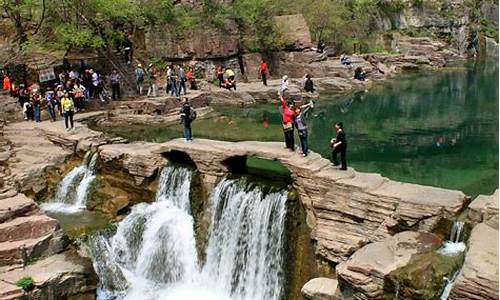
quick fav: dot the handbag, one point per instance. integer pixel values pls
(287, 126)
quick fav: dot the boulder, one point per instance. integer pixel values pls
(321, 289)
(478, 278)
(294, 30)
(366, 271)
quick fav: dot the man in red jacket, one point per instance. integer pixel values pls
(263, 72)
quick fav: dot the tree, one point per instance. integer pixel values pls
(26, 16)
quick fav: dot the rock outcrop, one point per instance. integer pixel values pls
(321, 289)
(478, 278)
(346, 210)
(367, 271)
(484, 209)
(31, 243)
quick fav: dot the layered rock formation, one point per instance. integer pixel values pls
(367, 270)
(478, 278)
(32, 244)
(367, 207)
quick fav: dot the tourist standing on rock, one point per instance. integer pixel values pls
(37, 106)
(87, 83)
(6, 83)
(283, 86)
(339, 145)
(288, 119)
(263, 72)
(51, 102)
(68, 110)
(95, 84)
(115, 79)
(300, 122)
(139, 78)
(182, 81)
(23, 95)
(187, 116)
(308, 84)
(220, 75)
(152, 89)
(79, 95)
(191, 79)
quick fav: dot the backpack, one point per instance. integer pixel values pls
(192, 114)
(140, 74)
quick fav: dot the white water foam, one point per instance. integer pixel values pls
(153, 254)
(72, 192)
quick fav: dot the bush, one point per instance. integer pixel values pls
(26, 283)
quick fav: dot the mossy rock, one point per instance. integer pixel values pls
(424, 276)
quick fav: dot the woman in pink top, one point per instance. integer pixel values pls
(288, 118)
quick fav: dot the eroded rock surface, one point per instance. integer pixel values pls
(367, 270)
(478, 279)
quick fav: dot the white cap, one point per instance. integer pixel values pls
(285, 77)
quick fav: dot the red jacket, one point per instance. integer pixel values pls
(288, 114)
(263, 68)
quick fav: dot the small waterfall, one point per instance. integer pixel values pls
(453, 247)
(72, 192)
(397, 290)
(455, 244)
(153, 255)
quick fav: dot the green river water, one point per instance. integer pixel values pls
(434, 128)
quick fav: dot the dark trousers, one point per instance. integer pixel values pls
(289, 140)
(68, 116)
(264, 78)
(221, 80)
(303, 141)
(188, 133)
(182, 86)
(342, 150)
(115, 88)
(52, 112)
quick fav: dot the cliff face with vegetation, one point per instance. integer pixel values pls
(165, 30)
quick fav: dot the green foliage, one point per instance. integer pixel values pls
(26, 283)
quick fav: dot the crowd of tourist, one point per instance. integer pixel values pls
(177, 80)
(71, 92)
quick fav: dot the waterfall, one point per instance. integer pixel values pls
(455, 244)
(452, 247)
(153, 253)
(244, 249)
(72, 192)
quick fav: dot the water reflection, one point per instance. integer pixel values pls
(438, 129)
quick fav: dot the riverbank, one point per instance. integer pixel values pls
(339, 205)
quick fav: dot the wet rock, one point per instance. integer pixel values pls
(479, 276)
(366, 271)
(321, 289)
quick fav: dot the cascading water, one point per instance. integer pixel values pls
(453, 247)
(72, 192)
(153, 255)
(456, 244)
